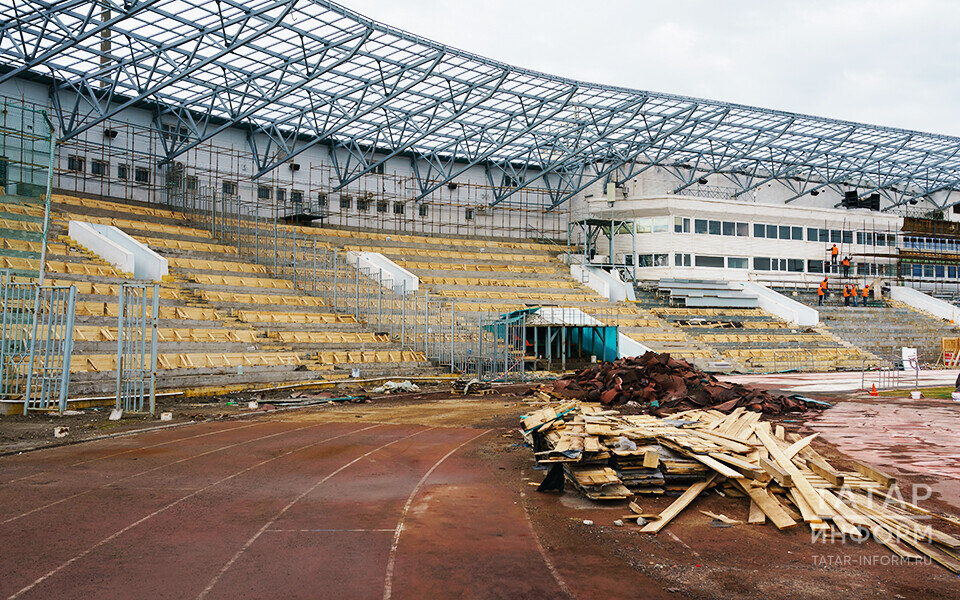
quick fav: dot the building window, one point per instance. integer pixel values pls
(761, 263)
(772, 232)
(847, 237)
(398, 208)
(743, 229)
(708, 261)
(700, 226)
(729, 228)
(99, 168)
(736, 262)
(228, 188)
(123, 171)
(264, 192)
(296, 197)
(715, 227)
(797, 233)
(380, 169)
(346, 202)
(681, 260)
(190, 183)
(815, 266)
(423, 210)
(468, 214)
(382, 206)
(835, 236)
(681, 225)
(795, 265)
(281, 195)
(759, 230)
(75, 163)
(363, 204)
(784, 232)
(321, 200)
(141, 175)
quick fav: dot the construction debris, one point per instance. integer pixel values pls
(396, 386)
(771, 476)
(472, 386)
(662, 385)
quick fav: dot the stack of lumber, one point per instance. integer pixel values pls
(664, 385)
(774, 476)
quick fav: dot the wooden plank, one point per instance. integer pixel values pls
(678, 505)
(826, 471)
(651, 458)
(799, 445)
(770, 506)
(878, 476)
(717, 466)
(778, 474)
(756, 516)
(747, 468)
(800, 482)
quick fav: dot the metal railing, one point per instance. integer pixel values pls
(36, 343)
(890, 375)
(137, 314)
(468, 343)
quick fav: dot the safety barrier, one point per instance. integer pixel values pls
(36, 343)
(137, 346)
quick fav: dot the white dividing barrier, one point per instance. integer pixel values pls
(607, 284)
(393, 275)
(928, 304)
(777, 304)
(119, 249)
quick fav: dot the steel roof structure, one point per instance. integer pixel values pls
(296, 73)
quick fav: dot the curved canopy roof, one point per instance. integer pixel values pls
(303, 72)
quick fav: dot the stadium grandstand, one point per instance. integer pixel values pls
(213, 194)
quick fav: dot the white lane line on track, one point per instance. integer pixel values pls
(250, 542)
(90, 460)
(150, 470)
(120, 532)
(546, 559)
(391, 562)
(328, 530)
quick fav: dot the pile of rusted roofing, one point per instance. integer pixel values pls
(665, 385)
(764, 473)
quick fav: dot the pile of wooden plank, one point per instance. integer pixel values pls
(778, 477)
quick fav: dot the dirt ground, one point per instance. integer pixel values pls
(690, 558)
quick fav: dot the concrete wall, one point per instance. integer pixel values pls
(120, 250)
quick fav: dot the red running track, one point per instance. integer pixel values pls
(267, 509)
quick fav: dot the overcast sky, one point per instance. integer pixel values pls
(890, 63)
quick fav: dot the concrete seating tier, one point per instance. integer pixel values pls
(200, 331)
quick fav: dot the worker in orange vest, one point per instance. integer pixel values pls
(866, 293)
(854, 293)
(820, 293)
(846, 295)
(834, 253)
(846, 265)
(823, 284)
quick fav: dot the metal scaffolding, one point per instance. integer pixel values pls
(298, 73)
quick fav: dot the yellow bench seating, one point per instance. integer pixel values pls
(256, 316)
(213, 248)
(404, 251)
(19, 225)
(254, 282)
(117, 206)
(482, 268)
(536, 296)
(262, 299)
(31, 210)
(659, 337)
(328, 337)
(109, 309)
(417, 239)
(491, 281)
(202, 264)
(195, 360)
(370, 356)
(93, 333)
(108, 289)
